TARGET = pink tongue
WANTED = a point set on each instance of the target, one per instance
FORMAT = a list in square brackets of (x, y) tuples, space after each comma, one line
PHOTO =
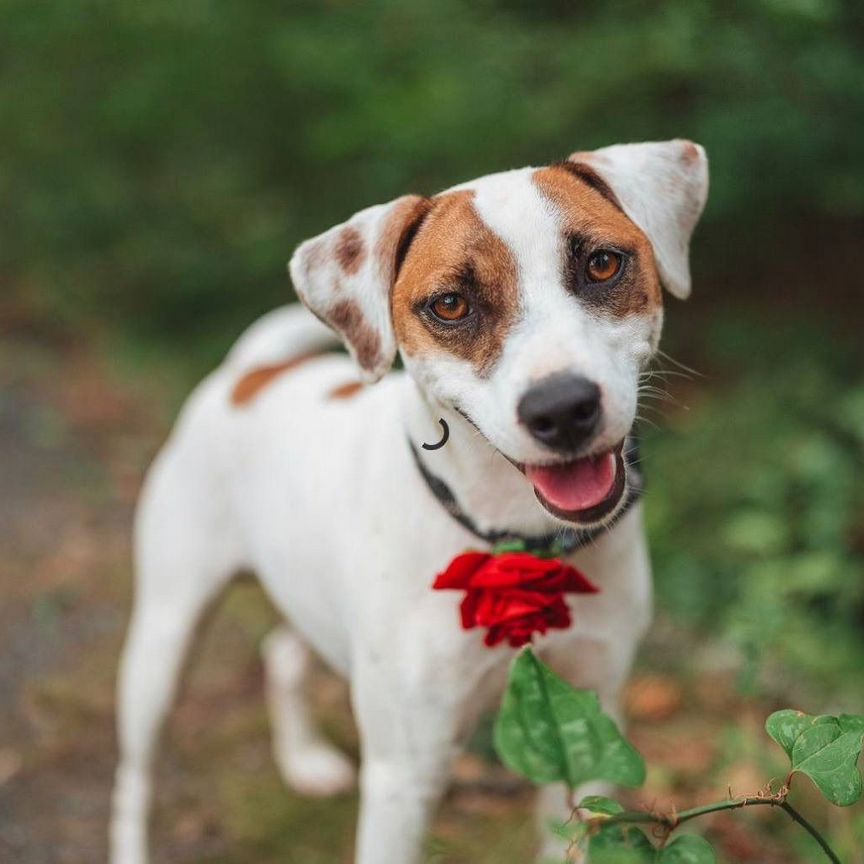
[(576, 486)]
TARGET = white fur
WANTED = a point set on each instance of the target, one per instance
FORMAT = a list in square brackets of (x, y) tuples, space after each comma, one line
[(321, 499)]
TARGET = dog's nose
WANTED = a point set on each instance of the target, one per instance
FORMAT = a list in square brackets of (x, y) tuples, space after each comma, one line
[(561, 411)]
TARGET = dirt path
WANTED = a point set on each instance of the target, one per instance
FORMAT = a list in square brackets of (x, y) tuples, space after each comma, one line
[(64, 516)]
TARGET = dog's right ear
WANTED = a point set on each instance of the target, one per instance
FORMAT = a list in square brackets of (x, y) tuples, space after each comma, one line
[(345, 277)]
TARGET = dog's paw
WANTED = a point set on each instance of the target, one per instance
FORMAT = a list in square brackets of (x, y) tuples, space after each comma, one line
[(318, 771)]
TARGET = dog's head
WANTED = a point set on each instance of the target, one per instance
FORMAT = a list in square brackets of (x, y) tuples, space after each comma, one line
[(528, 301)]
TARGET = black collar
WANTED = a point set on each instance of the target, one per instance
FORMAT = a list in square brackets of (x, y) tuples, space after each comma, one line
[(556, 543)]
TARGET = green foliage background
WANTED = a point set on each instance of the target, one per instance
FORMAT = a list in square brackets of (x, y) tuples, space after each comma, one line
[(160, 160)]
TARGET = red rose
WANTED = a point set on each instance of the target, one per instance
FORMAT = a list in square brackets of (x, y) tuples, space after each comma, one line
[(513, 595)]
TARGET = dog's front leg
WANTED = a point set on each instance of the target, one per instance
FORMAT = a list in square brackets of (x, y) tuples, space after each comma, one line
[(396, 805), (410, 731)]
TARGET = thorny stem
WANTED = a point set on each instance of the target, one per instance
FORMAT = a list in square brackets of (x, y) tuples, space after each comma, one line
[(670, 822)]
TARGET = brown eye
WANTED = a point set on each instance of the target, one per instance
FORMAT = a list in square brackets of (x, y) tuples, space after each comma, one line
[(450, 307), (603, 265)]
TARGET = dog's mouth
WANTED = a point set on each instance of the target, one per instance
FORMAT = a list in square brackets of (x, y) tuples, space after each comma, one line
[(584, 491)]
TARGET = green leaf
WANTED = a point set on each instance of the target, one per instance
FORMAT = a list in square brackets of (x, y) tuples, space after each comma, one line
[(618, 844), (598, 805), (688, 850), (851, 723), (785, 726), (549, 731), (824, 748), (829, 757)]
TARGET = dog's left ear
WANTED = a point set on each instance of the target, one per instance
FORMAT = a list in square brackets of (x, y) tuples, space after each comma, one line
[(346, 274), (662, 186)]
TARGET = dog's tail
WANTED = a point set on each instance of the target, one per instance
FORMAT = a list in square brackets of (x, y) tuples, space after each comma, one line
[(285, 333)]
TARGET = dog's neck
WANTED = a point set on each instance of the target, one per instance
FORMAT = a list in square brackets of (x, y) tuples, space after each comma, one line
[(494, 493)]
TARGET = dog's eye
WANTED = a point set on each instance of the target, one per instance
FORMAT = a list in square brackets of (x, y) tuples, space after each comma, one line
[(450, 307), (603, 265)]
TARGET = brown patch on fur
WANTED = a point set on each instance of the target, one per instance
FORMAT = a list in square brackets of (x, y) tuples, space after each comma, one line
[(346, 391), (591, 216), (255, 380), (350, 250), (398, 234), (348, 318), (582, 171), (454, 250)]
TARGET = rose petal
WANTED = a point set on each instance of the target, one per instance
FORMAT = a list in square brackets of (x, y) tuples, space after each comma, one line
[(460, 571), (513, 595), (493, 636), (496, 607), (513, 568), (468, 609), (577, 582), (559, 616), (518, 638), (489, 608)]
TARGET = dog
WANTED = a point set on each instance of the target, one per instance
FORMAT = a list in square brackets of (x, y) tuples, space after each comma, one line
[(525, 307)]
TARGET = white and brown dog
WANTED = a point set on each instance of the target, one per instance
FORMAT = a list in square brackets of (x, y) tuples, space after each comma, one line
[(525, 306)]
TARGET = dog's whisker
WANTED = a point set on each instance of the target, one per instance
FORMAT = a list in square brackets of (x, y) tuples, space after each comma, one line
[(658, 395), (656, 400), (665, 373), (661, 407), (649, 382), (642, 419), (656, 409), (651, 413), (653, 390), (668, 376), (682, 366)]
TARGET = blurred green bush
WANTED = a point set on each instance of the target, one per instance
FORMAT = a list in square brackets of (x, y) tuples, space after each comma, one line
[(160, 160), (757, 524)]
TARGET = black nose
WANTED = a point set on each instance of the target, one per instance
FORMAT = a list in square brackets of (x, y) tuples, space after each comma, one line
[(561, 411)]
